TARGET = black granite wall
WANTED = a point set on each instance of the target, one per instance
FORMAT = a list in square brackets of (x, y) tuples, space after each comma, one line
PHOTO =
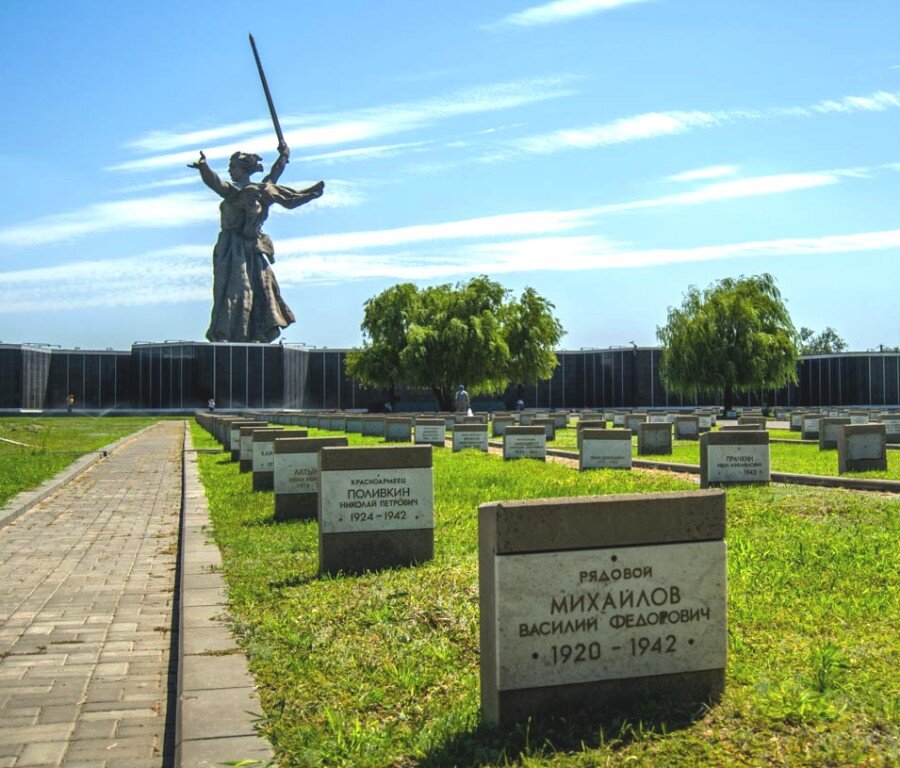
[(185, 375)]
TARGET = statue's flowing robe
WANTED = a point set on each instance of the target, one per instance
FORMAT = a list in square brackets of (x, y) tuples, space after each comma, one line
[(247, 302)]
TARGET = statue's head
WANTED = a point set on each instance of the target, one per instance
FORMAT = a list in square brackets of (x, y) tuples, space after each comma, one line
[(244, 164)]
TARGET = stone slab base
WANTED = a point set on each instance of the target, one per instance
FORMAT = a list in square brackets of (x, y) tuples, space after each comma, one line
[(685, 688), (263, 481), (296, 506), (358, 552)]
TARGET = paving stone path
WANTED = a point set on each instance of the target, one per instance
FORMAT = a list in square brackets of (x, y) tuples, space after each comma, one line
[(87, 582)]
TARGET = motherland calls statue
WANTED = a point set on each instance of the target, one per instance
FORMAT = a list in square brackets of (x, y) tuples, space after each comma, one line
[(247, 302)]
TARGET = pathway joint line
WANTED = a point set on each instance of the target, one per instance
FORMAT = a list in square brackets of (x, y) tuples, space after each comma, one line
[(216, 693)]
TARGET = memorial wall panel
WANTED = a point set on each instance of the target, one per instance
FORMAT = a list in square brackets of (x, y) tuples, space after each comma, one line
[(272, 395), (10, 377), (315, 379), (243, 375), (173, 376), (57, 385), (332, 379), (876, 380)]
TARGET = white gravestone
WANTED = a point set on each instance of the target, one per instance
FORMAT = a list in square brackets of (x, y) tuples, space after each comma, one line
[(604, 452), (809, 427), (734, 457), (397, 429), (601, 600), (470, 436), (235, 438), (557, 625), (868, 446), (430, 431), (736, 463), (500, 423), (525, 443), (357, 500), (296, 474), (892, 427), (375, 508), (263, 462)]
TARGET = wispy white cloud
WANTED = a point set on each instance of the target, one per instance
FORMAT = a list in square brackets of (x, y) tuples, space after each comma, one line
[(172, 210), (163, 141), (169, 276), (184, 208), (176, 209), (359, 125), (183, 275), (559, 11), (504, 225), (186, 180), (544, 222), (649, 125), (568, 254), (756, 186), (654, 125), (560, 254), (358, 153), (876, 102), (705, 173)]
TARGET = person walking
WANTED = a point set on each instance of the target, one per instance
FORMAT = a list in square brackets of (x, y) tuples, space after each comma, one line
[(462, 401)]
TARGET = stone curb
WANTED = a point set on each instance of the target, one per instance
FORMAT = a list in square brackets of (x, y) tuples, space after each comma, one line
[(889, 446), (18, 505), (789, 441), (214, 721), (788, 478)]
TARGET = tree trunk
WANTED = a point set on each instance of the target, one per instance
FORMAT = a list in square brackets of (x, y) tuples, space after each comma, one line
[(728, 398), (442, 397), (392, 395)]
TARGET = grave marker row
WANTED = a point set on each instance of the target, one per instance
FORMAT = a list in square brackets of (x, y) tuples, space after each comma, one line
[(584, 602)]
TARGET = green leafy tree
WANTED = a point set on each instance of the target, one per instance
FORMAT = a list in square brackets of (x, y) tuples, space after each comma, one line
[(734, 336), (532, 333), (439, 337), (826, 343), (386, 321)]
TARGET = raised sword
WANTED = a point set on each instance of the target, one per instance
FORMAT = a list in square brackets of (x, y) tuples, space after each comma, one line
[(262, 76)]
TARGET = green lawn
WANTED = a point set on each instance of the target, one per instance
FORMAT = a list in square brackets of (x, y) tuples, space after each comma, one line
[(52, 444), (382, 669)]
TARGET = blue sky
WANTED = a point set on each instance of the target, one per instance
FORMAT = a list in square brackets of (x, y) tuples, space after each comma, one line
[(608, 153)]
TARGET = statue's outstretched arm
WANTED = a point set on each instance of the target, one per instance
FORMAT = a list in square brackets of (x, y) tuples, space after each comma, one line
[(210, 177), (284, 156)]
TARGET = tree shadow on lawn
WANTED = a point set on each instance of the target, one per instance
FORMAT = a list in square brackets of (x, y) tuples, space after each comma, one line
[(293, 581), (615, 728)]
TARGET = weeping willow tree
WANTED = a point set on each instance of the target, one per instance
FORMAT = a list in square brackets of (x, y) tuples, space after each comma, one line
[(474, 333), (736, 336)]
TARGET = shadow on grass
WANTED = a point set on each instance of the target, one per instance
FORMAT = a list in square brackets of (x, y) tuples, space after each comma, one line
[(263, 522), (293, 581), (569, 733)]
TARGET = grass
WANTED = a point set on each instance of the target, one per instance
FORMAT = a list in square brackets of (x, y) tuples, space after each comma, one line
[(51, 444), (382, 669), (799, 458)]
